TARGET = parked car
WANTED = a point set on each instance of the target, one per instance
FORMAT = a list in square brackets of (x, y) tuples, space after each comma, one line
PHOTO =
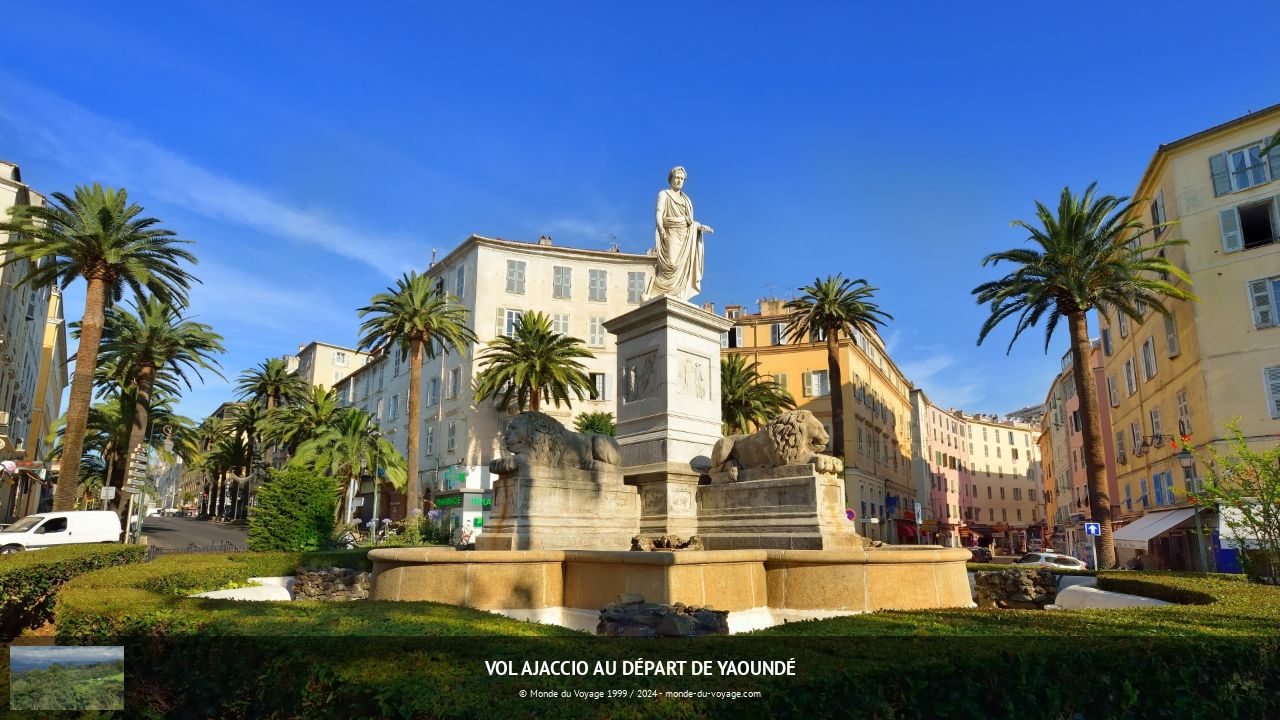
[(980, 554), (60, 528), (1051, 561)]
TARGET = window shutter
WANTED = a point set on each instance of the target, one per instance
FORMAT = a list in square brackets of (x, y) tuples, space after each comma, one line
[(1171, 336), (1272, 378), (1229, 221), (1159, 486), (1160, 206), (500, 326), (805, 387), (1221, 175), (1263, 314), (1273, 159), (1112, 392)]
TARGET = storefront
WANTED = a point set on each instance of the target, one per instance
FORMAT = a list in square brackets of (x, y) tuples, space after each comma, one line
[(468, 508), (1164, 540), (906, 529)]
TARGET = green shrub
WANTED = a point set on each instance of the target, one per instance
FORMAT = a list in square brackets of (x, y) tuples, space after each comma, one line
[(295, 512), (29, 581), (599, 423), (980, 567)]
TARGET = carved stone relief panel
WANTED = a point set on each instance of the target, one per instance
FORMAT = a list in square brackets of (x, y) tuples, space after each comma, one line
[(641, 377), (694, 379)]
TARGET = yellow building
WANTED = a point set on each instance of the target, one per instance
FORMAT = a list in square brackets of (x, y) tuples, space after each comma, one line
[(877, 408), (51, 380), (1212, 361)]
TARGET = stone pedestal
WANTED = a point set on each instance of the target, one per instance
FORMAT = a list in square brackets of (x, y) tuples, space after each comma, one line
[(668, 406), (544, 508), (783, 508)]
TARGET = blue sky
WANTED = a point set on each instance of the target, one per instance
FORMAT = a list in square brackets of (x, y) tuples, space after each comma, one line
[(316, 154), (27, 657)]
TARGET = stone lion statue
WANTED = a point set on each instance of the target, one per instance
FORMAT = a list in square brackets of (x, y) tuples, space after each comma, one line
[(534, 438), (793, 438)]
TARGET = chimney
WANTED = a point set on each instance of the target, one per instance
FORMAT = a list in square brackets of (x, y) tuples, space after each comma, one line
[(433, 258), (709, 307), (545, 240), (301, 347)]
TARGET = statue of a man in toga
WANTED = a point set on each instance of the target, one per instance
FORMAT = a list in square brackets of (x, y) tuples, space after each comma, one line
[(679, 243)]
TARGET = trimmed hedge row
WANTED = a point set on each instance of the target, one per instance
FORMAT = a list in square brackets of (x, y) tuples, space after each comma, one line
[(29, 580), (1218, 658)]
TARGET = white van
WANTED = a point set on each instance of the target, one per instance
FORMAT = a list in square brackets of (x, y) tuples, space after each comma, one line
[(60, 528)]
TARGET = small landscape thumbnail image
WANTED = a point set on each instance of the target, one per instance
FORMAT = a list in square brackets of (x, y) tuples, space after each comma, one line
[(67, 677)]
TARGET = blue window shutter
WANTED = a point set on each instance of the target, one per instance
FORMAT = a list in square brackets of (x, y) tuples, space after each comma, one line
[(864, 508), (1221, 174), (1142, 485), (1159, 483)]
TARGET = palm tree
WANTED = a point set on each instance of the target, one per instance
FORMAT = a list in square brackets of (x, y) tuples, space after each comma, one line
[(1089, 255), (99, 236), (248, 423), (533, 364), (826, 309), (421, 322), (350, 448), (292, 425), (271, 381), (747, 398), (135, 348)]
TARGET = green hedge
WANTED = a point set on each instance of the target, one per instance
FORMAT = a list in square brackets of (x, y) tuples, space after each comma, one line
[(981, 567), (294, 513), (29, 580)]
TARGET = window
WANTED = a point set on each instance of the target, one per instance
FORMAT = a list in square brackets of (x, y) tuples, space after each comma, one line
[(1157, 213), (1011, 437), (429, 444), (597, 285), (1248, 226), (991, 514), (1014, 451), (777, 334), (560, 323), (1001, 493), (599, 386), (1171, 337), (1142, 492), (595, 334), (780, 379), (817, 335), (455, 383), (1019, 511), (988, 488), (1158, 485), (1135, 434), (1130, 380), (339, 358), (395, 407), (1031, 494), (507, 319), (1017, 493), (1128, 497), (1148, 353), (1156, 427), (1122, 324), (433, 391), (816, 384), (515, 276), (1120, 446), (1113, 394), (561, 282), (1184, 414), (1264, 298), (1242, 168), (460, 281), (1004, 515), (1106, 341), (452, 438), (731, 338), (1271, 379), (635, 287)]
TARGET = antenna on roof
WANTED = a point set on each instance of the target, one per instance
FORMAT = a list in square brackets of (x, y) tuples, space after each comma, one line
[(613, 242), (433, 257)]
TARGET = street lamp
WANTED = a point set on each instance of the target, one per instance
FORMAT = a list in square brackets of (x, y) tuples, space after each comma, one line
[(1188, 462), (373, 518)]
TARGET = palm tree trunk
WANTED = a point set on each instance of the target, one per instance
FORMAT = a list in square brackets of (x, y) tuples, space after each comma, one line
[(1094, 462), (64, 497), (412, 501), (535, 400), (141, 412), (837, 393)]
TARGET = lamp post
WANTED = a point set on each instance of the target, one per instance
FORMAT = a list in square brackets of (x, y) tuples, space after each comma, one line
[(373, 518), (1188, 462)]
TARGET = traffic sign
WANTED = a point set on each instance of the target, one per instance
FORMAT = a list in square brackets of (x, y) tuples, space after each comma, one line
[(132, 490), (1092, 528), (108, 493)]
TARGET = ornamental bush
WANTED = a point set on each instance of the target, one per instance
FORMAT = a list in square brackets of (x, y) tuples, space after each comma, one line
[(295, 512), (29, 581)]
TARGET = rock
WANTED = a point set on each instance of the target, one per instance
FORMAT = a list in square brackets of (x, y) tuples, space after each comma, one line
[(677, 626), (630, 598), (332, 584), (641, 619), (665, 543), (1015, 588)]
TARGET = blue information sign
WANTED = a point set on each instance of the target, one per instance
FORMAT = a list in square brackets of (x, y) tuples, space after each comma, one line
[(1092, 529)]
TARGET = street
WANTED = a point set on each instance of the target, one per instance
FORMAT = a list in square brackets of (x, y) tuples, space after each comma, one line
[(178, 533)]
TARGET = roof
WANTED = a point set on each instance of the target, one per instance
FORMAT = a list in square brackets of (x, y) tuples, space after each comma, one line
[(1164, 149), (536, 246)]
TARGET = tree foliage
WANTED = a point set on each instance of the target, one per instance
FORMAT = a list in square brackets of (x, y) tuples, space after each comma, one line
[(295, 511), (747, 398), (533, 364), (1244, 486), (598, 423)]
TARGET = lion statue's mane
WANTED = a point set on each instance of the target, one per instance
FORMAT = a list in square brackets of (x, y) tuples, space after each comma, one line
[(792, 438)]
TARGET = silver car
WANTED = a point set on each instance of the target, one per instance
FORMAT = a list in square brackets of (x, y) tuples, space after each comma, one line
[(1051, 561)]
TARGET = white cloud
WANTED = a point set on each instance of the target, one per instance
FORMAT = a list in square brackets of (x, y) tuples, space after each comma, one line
[(99, 147), (65, 653), (227, 293)]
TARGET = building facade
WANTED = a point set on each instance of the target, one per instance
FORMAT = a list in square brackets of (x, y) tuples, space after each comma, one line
[(496, 281), (324, 365), (1183, 378), (879, 483)]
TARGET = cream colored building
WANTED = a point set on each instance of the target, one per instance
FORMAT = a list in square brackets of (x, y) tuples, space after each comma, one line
[(879, 483), (24, 322), (324, 365), (1006, 484), (1214, 360), (497, 281)]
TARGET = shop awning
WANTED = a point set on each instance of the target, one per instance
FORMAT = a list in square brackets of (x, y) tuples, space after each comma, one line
[(1136, 534)]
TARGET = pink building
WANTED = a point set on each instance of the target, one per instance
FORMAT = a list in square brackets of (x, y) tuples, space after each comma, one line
[(946, 455)]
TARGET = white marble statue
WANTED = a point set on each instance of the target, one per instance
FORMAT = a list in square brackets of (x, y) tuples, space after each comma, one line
[(679, 242)]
